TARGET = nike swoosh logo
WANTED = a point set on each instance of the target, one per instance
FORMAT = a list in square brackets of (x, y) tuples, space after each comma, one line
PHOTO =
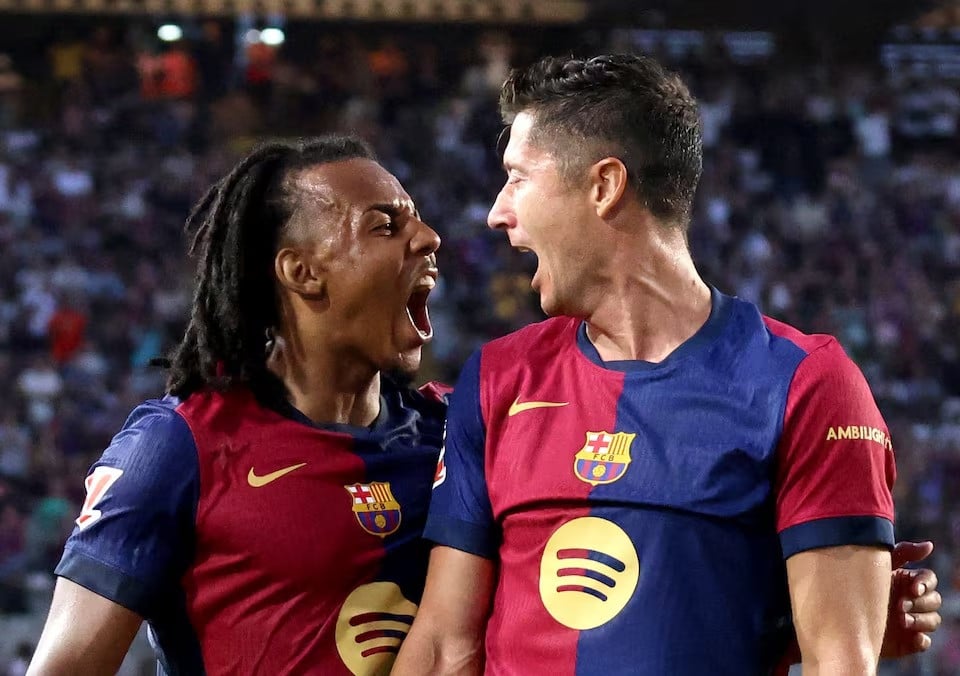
[(516, 407), (258, 481)]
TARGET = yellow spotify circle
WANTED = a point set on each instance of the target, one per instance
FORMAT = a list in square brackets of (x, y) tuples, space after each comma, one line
[(588, 572), (373, 621)]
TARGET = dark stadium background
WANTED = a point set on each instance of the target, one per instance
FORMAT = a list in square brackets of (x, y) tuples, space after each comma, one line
[(831, 196)]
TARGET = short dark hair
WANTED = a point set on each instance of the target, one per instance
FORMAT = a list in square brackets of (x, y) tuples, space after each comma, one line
[(235, 229), (622, 105)]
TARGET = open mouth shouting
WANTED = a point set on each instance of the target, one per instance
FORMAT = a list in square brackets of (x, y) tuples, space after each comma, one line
[(417, 311)]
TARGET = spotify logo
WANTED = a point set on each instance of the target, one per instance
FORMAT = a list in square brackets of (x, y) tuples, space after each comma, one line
[(588, 572), (373, 622)]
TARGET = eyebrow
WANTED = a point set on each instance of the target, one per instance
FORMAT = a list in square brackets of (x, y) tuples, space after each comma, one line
[(391, 209)]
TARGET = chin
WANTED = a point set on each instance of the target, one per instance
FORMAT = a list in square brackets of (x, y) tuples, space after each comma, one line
[(548, 297), (408, 363), (550, 305)]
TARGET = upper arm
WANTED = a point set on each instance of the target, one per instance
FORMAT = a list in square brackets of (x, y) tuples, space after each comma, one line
[(461, 515), (85, 634), (834, 509), (835, 465), (134, 535), (839, 597), (447, 634)]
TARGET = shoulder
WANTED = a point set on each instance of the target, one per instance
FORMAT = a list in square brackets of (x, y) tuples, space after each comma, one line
[(421, 409), (822, 358), (806, 343), (153, 433), (546, 335)]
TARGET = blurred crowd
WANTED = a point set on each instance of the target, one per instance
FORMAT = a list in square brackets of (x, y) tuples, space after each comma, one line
[(830, 196)]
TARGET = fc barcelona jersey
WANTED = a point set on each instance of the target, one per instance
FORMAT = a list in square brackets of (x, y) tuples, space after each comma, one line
[(642, 512), (256, 542)]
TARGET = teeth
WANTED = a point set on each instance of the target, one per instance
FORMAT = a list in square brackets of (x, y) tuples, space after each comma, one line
[(425, 282), (426, 335)]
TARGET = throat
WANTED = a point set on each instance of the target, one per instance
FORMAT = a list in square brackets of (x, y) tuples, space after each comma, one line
[(357, 410), (328, 391)]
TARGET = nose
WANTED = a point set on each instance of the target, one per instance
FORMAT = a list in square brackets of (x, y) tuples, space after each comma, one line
[(426, 241), (501, 214)]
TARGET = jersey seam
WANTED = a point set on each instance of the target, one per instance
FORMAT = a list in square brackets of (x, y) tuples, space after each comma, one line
[(836, 516), (81, 551)]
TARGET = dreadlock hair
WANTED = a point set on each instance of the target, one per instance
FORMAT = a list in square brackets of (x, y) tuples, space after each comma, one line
[(621, 105), (235, 229)]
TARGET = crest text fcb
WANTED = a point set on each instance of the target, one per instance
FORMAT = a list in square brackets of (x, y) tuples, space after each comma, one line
[(604, 457), (377, 511)]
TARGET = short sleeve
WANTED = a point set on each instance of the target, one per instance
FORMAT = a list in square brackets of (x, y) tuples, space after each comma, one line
[(460, 513), (835, 463), (134, 535)]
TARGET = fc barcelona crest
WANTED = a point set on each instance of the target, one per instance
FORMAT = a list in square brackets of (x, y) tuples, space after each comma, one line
[(604, 457), (377, 511)]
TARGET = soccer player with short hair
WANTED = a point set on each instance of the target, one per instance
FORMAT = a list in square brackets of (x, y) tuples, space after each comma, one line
[(658, 479), (265, 516)]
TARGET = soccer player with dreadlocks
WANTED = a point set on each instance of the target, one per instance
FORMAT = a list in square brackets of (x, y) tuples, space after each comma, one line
[(265, 516)]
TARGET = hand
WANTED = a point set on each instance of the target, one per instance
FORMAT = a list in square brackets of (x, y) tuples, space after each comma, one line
[(914, 602)]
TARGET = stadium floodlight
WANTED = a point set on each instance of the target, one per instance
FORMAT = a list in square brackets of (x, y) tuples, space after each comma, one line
[(169, 32), (272, 36)]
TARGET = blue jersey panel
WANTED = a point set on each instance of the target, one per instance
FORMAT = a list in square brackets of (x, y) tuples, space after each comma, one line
[(460, 511)]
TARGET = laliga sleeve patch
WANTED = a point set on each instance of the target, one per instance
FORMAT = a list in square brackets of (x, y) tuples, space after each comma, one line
[(97, 484), (441, 474)]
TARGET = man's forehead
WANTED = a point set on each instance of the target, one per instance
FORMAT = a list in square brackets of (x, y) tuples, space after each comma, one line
[(515, 147), (503, 140), (360, 182), (396, 204)]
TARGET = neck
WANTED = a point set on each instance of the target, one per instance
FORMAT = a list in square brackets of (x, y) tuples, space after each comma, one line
[(651, 300), (326, 387)]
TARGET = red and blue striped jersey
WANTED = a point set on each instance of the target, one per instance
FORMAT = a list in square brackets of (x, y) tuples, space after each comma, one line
[(254, 541), (642, 512)]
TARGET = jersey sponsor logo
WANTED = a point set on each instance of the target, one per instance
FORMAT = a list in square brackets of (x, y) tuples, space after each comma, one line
[(861, 432), (97, 483), (588, 572), (372, 623), (259, 481), (604, 457), (519, 407), (377, 511)]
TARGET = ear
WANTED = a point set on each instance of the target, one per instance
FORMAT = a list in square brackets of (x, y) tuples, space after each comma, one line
[(608, 184), (298, 274)]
